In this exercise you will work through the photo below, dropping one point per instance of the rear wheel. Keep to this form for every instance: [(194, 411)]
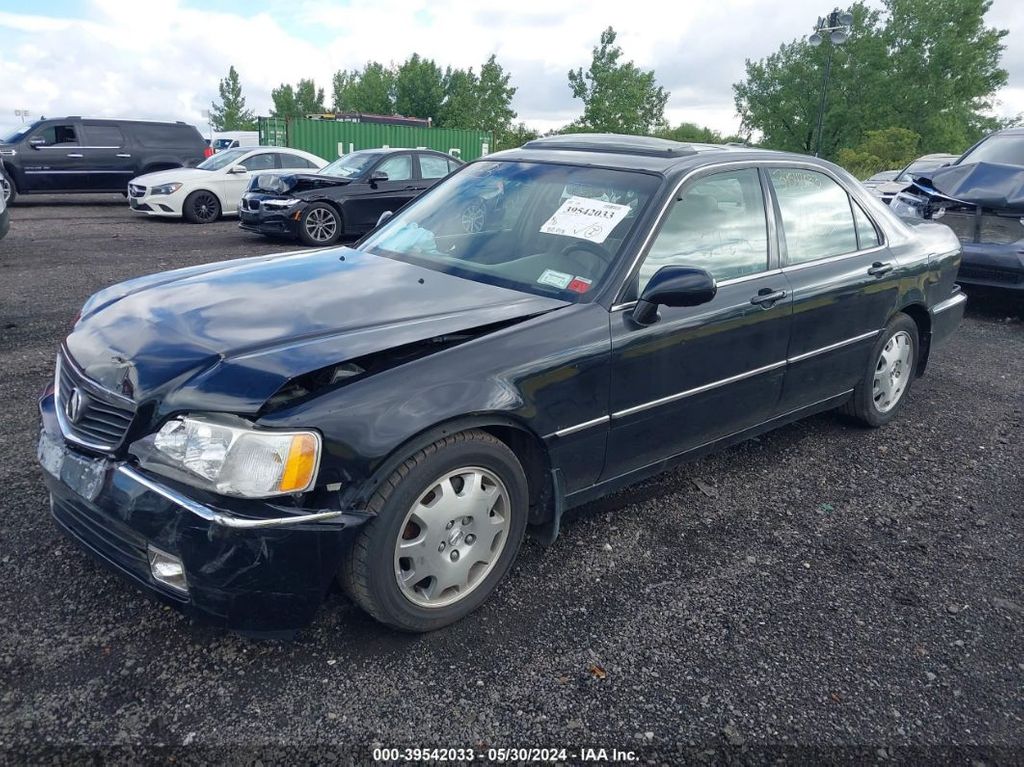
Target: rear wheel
[(884, 387), (448, 525), (10, 192), (320, 225), (201, 207)]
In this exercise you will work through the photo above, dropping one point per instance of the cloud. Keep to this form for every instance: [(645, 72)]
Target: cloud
[(165, 62)]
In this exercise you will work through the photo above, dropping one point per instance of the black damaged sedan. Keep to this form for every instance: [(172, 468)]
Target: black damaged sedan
[(234, 438), (343, 199)]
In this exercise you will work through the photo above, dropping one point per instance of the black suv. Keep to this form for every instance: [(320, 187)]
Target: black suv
[(75, 154)]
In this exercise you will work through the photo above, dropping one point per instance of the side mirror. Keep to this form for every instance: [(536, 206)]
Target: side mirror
[(378, 175), (383, 218), (674, 286), (238, 169)]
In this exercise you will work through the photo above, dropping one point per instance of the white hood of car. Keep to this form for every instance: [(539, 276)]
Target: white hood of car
[(173, 176)]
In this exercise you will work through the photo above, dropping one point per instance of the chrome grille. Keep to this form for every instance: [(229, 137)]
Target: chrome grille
[(87, 413), (136, 191), (250, 204)]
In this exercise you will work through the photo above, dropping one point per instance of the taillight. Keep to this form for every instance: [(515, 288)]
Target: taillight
[(208, 152)]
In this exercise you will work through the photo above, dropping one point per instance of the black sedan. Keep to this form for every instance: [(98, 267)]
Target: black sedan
[(345, 198), (235, 437)]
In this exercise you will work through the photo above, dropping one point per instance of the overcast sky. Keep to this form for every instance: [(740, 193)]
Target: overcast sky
[(142, 59)]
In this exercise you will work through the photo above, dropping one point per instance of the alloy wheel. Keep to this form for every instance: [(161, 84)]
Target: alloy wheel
[(5, 186), (452, 537), (321, 225), (205, 207), (892, 371)]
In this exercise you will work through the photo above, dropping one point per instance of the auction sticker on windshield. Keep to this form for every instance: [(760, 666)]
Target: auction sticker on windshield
[(585, 218)]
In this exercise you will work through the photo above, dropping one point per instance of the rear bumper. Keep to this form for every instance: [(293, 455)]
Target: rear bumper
[(992, 266), (947, 315), (264, 580)]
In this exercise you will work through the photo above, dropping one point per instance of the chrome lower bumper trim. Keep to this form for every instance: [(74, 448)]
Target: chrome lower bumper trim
[(217, 517), (949, 303)]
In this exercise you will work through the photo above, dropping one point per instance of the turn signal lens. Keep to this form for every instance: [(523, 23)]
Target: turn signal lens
[(300, 464)]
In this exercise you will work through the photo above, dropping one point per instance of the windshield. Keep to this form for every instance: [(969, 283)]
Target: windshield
[(222, 159), (10, 138), (351, 165), (1003, 150), (551, 230)]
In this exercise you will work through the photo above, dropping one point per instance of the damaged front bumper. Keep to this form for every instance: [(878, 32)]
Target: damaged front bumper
[(255, 568), (992, 265)]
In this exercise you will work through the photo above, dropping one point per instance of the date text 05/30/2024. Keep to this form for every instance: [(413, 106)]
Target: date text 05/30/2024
[(501, 755)]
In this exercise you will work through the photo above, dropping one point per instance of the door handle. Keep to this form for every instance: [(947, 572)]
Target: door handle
[(123, 154), (74, 154), (766, 297), (878, 269)]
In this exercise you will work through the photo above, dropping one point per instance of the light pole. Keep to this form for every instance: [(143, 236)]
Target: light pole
[(837, 27)]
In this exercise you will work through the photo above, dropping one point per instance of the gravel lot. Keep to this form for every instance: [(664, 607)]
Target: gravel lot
[(821, 586)]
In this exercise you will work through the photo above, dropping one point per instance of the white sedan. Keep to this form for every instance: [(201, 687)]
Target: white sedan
[(214, 187)]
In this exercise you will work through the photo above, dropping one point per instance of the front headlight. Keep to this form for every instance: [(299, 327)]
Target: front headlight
[(906, 205), (234, 458), (165, 189), (279, 204)]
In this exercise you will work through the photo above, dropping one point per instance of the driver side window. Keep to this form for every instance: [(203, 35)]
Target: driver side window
[(717, 224), (55, 135), (263, 161), (398, 168)]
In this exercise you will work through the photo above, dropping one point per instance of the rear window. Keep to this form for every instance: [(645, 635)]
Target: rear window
[(165, 134)]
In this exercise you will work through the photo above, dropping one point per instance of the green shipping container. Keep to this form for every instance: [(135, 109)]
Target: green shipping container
[(330, 140)]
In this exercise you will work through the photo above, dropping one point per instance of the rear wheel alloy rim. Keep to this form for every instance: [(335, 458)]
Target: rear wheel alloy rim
[(473, 218), (5, 185), (321, 225), (452, 537), (892, 372), (205, 207)]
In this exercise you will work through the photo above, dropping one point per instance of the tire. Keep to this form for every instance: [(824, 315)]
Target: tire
[(883, 389), (201, 207), (410, 586), (8, 189), (320, 225)]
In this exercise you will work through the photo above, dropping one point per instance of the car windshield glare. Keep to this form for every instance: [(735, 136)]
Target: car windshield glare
[(12, 137), (552, 230), (1002, 150), (350, 165), (222, 159)]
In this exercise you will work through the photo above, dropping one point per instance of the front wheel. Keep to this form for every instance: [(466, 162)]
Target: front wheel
[(201, 207), (448, 525), (319, 225), (7, 188), (884, 387)]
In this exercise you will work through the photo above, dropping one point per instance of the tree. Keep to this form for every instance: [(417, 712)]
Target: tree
[(461, 108), (514, 136), (419, 88), (928, 66), (370, 90), (494, 98), (283, 97), (617, 97), (880, 150), (305, 98), (230, 113)]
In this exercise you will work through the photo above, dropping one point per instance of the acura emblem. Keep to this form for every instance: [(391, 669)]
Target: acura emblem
[(75, 406)]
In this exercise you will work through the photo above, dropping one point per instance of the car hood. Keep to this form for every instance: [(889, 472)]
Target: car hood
[(988, 185), (227, 336), (173, 176), (295, 183)]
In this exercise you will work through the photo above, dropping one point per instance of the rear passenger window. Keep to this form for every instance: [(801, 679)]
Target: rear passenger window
[(817, 219), (718, 224), (163, 134), (433, 167), (867, 235), (104, 135), (292, 161)]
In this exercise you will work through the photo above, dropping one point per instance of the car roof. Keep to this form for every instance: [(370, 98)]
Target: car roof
[(643, 153)]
